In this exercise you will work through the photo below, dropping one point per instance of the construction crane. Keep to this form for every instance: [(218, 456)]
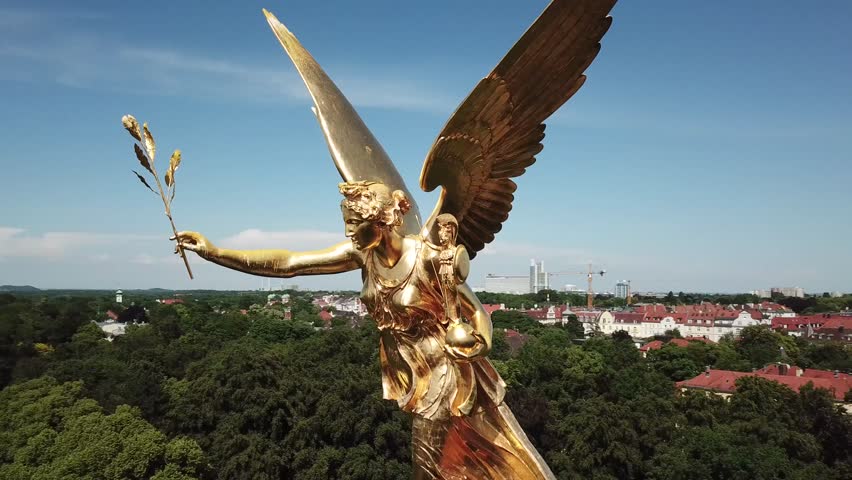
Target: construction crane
[(590, 296)]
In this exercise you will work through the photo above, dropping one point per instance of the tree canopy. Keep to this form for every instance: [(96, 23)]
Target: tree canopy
[(204, 391)]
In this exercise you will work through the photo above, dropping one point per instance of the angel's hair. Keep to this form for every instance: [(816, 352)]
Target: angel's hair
[(375, 202)]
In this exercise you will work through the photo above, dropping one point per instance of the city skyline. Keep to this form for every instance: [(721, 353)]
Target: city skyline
[(709, 156)]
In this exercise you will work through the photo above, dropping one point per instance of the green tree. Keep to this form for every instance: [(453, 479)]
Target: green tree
[(716, 454), (760, 346), (275, 330), (297, 410), (825, 355), (49, 430), (674, 362), (515, 320)]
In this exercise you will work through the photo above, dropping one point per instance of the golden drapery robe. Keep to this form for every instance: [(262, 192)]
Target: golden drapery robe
[(462, 429)]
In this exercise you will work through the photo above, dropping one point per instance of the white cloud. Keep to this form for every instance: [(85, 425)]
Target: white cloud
[(171, 72), (145, 249), (292, 240), (529, 250), (148, 259), (25, 18), (16, 242), (100, 257), (88, 59)]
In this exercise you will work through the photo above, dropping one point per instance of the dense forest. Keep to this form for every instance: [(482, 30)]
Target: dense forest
[(202, 391)]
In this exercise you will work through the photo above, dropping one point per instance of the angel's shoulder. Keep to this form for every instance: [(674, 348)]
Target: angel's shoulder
[(426, 251)]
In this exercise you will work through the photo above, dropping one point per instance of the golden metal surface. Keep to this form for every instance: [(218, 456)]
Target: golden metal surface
[(357, 154), (434, 333)]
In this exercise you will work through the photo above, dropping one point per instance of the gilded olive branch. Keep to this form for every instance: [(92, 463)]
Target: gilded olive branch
[(146, 158), (168, 204)]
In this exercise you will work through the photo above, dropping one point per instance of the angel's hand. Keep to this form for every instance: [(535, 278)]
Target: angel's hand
[(464, 343), (195, 242), (466, 354)]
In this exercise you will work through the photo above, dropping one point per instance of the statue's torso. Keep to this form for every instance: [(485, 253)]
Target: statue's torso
[(406, 295), (406, 302)]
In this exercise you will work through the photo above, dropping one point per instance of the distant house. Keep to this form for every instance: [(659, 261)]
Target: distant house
[(276, 298), (723, 382), (591, 320), (837, 328), (326, 317), (350, 303), (680, 342), (771, 310), (823, 326), (704, 320), (547, 315), (794, 371), (654, 345), (171, 301), (493, 307), (111, 327), (515, 339)]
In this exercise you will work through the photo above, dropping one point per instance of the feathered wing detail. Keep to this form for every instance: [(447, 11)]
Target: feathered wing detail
[(497, 130), (356, 153)]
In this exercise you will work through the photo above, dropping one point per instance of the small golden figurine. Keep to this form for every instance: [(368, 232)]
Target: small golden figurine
[(454, 266), (434, 333)]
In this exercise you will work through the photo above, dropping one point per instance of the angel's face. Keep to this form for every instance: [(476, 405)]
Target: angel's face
[(446, 233), (365, 234)]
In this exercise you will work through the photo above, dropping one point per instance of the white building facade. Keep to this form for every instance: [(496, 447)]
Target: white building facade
[(641, 326)]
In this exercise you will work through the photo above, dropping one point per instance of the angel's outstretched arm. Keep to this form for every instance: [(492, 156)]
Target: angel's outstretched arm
[(342, 257)]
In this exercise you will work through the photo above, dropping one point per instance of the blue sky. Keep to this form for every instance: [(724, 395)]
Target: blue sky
[(708, 151)]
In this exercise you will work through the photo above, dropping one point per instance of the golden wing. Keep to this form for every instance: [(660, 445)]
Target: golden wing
[(497, 130), (356, 153)]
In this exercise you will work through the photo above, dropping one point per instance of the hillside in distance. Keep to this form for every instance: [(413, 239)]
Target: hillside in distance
[(18, 288)]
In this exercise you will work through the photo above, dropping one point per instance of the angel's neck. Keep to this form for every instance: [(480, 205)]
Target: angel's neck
[(389, 251)]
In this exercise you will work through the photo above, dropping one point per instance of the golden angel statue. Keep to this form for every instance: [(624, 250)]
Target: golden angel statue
[(434, 333)]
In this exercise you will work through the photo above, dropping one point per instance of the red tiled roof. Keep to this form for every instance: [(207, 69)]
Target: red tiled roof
[(492, 307), (788, 323), (629, 317), (772, 307), (657, 309), (794, 371), (724, 381), (680, 342), (515, 339), (541, 313), (655, 345), (112, 315), (835, 321), (813, 373), (585, 316), (172, 301), (819, 319), (700, 339), (325, 315)]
